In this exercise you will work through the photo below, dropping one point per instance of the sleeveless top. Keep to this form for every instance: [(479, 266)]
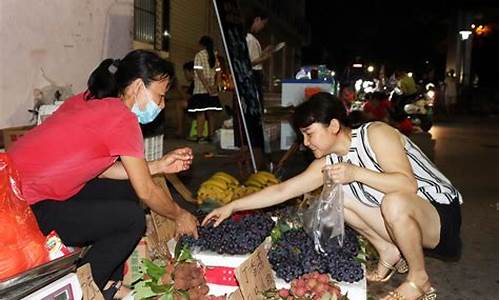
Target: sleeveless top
[(432, 184)]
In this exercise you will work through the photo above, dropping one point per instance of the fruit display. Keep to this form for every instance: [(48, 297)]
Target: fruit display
[(293, 255), (176, 279), (310, 286), (238, 235), (224, 188), (220, 187)]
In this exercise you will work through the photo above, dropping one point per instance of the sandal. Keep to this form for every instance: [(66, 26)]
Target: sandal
[(401, 267), (430, 294)]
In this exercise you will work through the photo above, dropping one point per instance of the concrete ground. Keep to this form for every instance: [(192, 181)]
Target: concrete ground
[(466, 151)]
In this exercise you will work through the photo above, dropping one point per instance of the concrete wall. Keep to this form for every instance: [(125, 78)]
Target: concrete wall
[(64, 38)]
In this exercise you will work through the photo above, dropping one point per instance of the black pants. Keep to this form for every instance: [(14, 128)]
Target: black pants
[(105, 214)]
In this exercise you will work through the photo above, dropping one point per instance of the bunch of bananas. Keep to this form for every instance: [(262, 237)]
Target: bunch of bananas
[(261, 180), (220, 187), (224, 188)]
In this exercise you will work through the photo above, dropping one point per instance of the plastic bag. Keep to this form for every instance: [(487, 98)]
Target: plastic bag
[(22, 243), (323, 219)]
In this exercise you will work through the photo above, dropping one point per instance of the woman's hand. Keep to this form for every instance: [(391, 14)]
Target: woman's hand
[(342, 172), (218, 215), (186, 223), (176, 161)]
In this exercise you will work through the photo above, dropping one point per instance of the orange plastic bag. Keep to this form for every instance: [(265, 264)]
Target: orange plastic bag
[(22, 243)]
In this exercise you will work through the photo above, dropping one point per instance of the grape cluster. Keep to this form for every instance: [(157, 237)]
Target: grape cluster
[(232, 236), (294, 255)]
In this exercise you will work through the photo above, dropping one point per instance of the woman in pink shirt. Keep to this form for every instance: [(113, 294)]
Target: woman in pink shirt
[(83, 169)]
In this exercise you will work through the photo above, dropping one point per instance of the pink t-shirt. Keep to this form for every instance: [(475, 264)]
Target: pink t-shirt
[(74, 145)]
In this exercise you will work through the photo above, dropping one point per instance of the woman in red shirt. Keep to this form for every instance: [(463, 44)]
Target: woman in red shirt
[(83, 169)]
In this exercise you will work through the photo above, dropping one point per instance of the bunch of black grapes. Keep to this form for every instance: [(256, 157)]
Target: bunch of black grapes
[(232, 236), (294, 255)]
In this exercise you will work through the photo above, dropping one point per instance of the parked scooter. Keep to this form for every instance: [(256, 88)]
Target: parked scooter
[(418, 107)]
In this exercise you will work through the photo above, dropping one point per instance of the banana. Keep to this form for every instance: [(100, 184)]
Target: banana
[(252, 189), (268, 176), (255, 183), (228, 177), (214, 182), (262, 182)]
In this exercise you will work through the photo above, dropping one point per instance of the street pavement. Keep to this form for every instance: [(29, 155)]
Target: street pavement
[(466, 151)]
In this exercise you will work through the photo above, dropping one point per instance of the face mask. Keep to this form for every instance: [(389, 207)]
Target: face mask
[(150, 112)]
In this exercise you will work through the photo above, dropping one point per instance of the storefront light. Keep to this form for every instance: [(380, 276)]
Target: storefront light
[(357, 65), (410, 74)]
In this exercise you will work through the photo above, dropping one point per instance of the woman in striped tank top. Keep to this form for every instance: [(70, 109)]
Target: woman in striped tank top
[(394, 196)]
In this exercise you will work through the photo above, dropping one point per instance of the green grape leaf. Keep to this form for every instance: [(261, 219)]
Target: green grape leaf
[(143, 291), (153, 270), (184, 254)]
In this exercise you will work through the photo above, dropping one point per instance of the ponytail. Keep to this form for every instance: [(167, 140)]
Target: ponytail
[(208, 43), (102, 82), (112, 77)]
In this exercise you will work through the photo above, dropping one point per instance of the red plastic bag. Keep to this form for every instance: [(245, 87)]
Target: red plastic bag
[(22, 243)]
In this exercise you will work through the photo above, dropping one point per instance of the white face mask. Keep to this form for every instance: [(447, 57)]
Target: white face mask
[(151, 110)]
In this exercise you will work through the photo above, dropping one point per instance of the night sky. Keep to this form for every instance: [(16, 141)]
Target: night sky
[(399, 36)]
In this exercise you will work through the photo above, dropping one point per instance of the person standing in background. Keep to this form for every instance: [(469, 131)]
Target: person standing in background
[(256, 23), (205, 98), (450, 92)]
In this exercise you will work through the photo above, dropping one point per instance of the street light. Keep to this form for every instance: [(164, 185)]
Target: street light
[(370, 69), (465, 34)]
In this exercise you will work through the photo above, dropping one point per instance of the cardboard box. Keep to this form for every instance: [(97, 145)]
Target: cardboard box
[(89, 288), (132, 271), (10, 135)]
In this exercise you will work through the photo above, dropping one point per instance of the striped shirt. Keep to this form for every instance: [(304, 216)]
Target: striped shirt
[(201, 63), (432, 184)]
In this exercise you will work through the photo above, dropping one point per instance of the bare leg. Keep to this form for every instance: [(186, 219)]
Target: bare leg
[(200, 123), (413, 223), (368, 222), (211, 123)]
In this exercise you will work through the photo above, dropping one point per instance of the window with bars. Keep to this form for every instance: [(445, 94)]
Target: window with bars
[(145, 21)]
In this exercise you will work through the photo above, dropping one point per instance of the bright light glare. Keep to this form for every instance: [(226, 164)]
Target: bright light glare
[(465, 34), (357, 85), (357, 65), (370, 69), (410, 74)]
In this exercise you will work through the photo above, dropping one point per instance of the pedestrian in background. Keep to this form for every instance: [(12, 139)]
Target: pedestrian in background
[(205, 100), (450, 92)]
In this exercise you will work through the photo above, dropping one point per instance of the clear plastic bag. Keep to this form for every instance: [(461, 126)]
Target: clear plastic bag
[(323, 219)]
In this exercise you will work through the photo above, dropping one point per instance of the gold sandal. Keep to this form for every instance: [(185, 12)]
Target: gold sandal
[(401, 267), (430, 294)]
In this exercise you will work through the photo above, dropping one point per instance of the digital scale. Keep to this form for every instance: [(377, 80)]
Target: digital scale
[(65, 288), (55, 280)]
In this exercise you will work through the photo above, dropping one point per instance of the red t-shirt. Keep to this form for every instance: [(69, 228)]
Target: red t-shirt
[(74, 145)]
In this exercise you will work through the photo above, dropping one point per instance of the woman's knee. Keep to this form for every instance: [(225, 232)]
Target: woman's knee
[(395, 207)]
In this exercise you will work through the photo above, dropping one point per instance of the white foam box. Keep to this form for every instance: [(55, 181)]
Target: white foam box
[(227, 139), (355, 291)]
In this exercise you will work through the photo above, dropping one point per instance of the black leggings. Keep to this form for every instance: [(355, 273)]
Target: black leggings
[(105, 214)]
